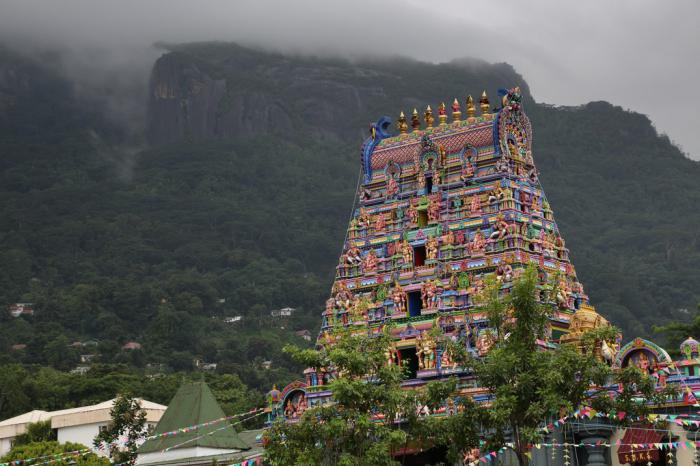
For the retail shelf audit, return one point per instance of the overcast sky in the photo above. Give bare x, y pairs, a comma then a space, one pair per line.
641, 54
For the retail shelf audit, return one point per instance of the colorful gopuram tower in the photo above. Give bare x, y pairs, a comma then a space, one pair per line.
440, 208
443, 207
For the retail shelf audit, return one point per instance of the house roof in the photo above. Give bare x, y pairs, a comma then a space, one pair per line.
100, 413
32, 416
194, 404
74, 416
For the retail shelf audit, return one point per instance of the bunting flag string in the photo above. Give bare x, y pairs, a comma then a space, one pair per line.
210, 433
688, 390
685, 445
684, 420
184, 430
52, 458
256, 412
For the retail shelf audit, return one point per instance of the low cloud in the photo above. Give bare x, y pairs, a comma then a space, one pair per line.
640, 54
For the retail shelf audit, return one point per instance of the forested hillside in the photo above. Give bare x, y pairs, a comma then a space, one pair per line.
240, 204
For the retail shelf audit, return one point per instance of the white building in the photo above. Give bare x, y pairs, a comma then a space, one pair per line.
78, 425
11, 428
284, 312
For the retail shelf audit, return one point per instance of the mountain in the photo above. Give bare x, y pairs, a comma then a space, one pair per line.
241, 202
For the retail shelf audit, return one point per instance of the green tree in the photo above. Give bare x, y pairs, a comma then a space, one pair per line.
13, 397
128, 421
36, 432
531, 384
52, 448
345, 432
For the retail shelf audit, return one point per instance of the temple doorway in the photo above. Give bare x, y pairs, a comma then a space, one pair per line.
415, 303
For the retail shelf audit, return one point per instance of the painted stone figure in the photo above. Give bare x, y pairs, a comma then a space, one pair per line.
434, 210
398, 297
392, 188
407, 253
478, 244
475, 205
370, 262
431, 248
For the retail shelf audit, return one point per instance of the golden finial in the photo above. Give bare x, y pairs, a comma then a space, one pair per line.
471, 109
428, 117
442, 114
456, 111
415, 121
402, 125
484, 103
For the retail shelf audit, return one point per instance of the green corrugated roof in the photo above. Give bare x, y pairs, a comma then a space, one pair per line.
193, 404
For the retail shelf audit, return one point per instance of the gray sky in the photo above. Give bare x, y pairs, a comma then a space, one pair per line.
641, 54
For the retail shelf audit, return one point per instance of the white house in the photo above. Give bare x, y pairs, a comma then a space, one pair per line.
284, 312
11, 428
78, 425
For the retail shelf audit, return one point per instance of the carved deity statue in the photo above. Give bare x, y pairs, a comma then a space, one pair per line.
407, 252
379, 223
413, 214
434, 210
501, 229
478, 244
363, 219
353, 257
475, 205
431, 248
370, 262
467, 172
425, 350
392, 188
446, 360
399, 299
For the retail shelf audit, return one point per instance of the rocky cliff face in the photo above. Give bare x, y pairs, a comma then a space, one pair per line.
207, 91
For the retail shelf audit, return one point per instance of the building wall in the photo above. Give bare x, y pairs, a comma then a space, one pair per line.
180, 453
83, 434
5, 445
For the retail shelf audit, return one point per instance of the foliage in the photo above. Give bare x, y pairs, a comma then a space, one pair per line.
49, 389
356, 428
677, 332
531, 384
125, 432
50, 448
36, 432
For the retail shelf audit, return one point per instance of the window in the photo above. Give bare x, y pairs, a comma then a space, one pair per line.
409, 360
419, 256
415, 303
422, 218
429, 184
103, 428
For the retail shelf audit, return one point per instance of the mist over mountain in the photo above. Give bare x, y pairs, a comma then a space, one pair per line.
240, 203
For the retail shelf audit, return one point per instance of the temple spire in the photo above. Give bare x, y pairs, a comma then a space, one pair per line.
415, 121
428, 117
442, 114
471, 109
401, 124
456, 111
484, 104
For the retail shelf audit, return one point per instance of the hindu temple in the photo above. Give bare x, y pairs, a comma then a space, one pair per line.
448, 198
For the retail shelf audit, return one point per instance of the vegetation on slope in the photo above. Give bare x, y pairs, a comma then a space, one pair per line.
160, 246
